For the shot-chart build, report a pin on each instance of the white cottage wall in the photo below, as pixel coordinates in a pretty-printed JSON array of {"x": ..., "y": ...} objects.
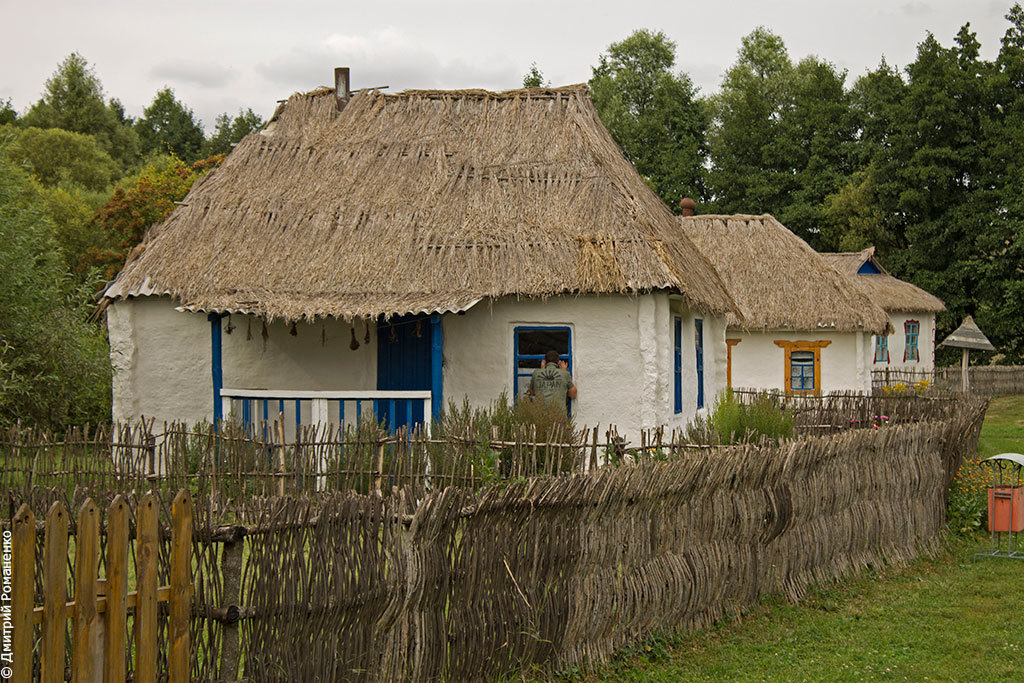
[
  {"x": 622, "y": 353},
  {"x": 622, "y": 356},
  {"x": 317, "y": 357},
  {"x": 758, "y": 363},
  {"x": 898, "y": 343},
  {"x": 161, "y": 361}
]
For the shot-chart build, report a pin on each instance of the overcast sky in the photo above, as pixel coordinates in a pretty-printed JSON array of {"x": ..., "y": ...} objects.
[{"x": 224, "y": 55}]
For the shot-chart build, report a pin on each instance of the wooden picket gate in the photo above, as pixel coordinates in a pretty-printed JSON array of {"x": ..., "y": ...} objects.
[{"x": 99, "y": 608}]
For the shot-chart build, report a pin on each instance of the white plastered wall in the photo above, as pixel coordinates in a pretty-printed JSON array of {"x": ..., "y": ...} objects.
[
  {"x": 898, "y": 343},
  {"x": 758, "y": 363},
  {"x": 161, "y": 359},
  {"x": 622, "y": 356}
]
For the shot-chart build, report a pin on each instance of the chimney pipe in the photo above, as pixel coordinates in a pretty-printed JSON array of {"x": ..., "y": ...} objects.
[
  {"x": 687, "y": 205},
  {"x": 341, "y": 85}
]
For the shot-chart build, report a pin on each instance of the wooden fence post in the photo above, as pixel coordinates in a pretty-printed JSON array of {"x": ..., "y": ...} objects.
[
  {"x": 24, "y": 597},
  {"x": 115, "y": 630},
  {"x": 87, "y": 539},
  {"x": 147, "y": 548},
  {"x": 231, "y": 568},
  {"x": 55, "y": 564},
  {"x": 178, "y": 650}
]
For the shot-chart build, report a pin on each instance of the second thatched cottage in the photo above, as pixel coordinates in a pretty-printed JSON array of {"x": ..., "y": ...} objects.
[
  {"x": 396, "y": 252},
  {"x": 803, "y": 327}
]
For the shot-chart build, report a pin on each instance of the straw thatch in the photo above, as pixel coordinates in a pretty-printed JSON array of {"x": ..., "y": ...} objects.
[
  {"x": 892, "y": 294},
  {"x": 419, "y": 202},
  {"x": 777, "y": 281},
  {"x": 968, "y": 336}
]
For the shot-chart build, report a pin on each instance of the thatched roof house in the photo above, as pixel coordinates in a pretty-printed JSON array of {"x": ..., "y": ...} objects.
[
  {"x": 776, "y": 279},
  {"x": 422, "y": 201},
  {"x": 801, "y": 327},
  {"x": 396, "y": 214},
  {"x": 891, "y": 293}
]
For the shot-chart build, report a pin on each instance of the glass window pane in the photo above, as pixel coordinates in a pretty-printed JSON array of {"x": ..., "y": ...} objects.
[{"x": 539, "y": 342}]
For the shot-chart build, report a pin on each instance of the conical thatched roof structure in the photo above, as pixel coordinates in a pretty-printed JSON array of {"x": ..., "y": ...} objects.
[
  {"x": 777, "y": 281},
  {"x": 968, "y": 336},
  {"x": 420, "y": 201},
  {"x": 889, "y": 292}
]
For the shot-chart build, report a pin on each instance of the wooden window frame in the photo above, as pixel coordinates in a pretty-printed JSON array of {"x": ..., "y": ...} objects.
[
  {"x": 789, "y": 347},
  {"x": 879, "y": 338},
  {"x": 917, "y": 341},
  {"x": 729, "y": 343}
]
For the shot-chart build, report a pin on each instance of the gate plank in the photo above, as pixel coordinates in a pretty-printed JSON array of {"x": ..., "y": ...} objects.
[
  {"x": 146, "y": 556},
  {"x": 23, "y": 598},
  {"x": 178, "y": 660},
  {"x": 117, "y": 589},
  {"x": 86, "y": 567},
  {"x": 55, "y": 563}
]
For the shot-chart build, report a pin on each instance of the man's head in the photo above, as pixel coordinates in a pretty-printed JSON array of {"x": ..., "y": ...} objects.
[{"x": 551, "y": 356}]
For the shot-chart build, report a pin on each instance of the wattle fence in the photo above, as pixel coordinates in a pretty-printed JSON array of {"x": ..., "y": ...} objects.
[
  {"x": 987, "y": 380},
  {"x": 433, "y": 580}
]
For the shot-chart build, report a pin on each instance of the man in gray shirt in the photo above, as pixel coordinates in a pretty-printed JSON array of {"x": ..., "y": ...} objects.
[{"x": 552, "y": 381}]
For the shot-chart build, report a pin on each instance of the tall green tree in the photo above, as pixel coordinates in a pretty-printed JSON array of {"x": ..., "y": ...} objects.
[
  {"x": 533, "y": 78},
  {"x": 54, "y": 364},
  {"x": 169, "y": 127},
  {"x": 654, "y": 114},
  {"x": 137, "y": 204},
  {"x": 782, "y": 135},
  {"x": 230, "y": 131},
  {"x": 54, "y": 156},
  {"x": 73, "y": 100}
]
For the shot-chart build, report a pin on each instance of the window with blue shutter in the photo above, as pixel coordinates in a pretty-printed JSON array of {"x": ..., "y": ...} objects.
[
  {"x": 678, "y": 361},
  {"x": 698, "y": 331}
]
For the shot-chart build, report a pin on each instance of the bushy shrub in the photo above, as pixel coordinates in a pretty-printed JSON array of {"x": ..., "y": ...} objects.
[
  {"x": 733, "y": 421},
  {"x": 507, "y": 421}
]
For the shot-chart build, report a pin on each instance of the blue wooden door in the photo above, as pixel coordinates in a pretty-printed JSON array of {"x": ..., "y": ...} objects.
[{"x": 403, "y": 364}]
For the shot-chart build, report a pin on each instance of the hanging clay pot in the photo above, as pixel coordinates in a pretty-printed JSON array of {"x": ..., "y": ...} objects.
[{"x": 354, "y": 344}]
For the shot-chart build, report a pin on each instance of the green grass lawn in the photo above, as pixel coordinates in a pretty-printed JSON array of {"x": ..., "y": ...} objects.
[{"x": 948, "y": 618}]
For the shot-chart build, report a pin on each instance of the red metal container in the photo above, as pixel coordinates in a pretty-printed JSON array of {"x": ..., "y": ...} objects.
[{"x": 1002, "y": 500}]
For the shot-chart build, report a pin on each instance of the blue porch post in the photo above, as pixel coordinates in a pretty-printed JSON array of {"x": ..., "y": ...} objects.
[
  {"x": 216, "y": 365},
  {"x": 436, "y": 374}
]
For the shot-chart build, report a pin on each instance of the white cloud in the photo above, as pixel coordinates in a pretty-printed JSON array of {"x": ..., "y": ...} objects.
[{"x": 386, "y": 57}]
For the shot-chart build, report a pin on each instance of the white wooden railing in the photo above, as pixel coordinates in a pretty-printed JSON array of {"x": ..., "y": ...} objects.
[{"x": 324, "y": 407}]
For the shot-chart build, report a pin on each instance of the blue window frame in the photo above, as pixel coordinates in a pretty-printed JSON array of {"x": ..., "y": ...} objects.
[
  {"x": 531, "y": 342},
  {"x": 881, "y": 348},
  {"x": 801, "y": 370},
  {"x": 677, "y": 381},
  {"x": 912, "y": 329},
  {"x": 698, "y": 333}
]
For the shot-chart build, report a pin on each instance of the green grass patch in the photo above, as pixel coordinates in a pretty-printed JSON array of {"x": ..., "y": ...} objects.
[{"x": 948, "y": 618}]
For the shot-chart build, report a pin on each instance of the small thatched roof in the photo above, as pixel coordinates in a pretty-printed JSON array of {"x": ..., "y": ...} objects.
[
  {"x": 777, "y": 280},
  {"x": 892, "y": 294},
  {"x": 420, "y": 201},
  {"x": 968, "y": 336}
]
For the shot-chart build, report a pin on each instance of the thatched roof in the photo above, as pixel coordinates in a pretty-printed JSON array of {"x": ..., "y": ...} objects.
[
  {"x": 892, "y": 294},
  {"x": 968, "y": 336},
  {"x": 777, "y": 280},
  {"x": 420, "y": 201}
]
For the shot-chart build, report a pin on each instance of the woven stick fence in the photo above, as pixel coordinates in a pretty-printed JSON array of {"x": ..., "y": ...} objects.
[
  {"x": 455, "y": 583},
  {"x": 988, "y": 380}
]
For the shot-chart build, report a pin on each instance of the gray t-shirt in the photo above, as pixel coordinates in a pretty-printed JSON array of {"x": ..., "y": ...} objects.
[{"x": 551, "y": 383}]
